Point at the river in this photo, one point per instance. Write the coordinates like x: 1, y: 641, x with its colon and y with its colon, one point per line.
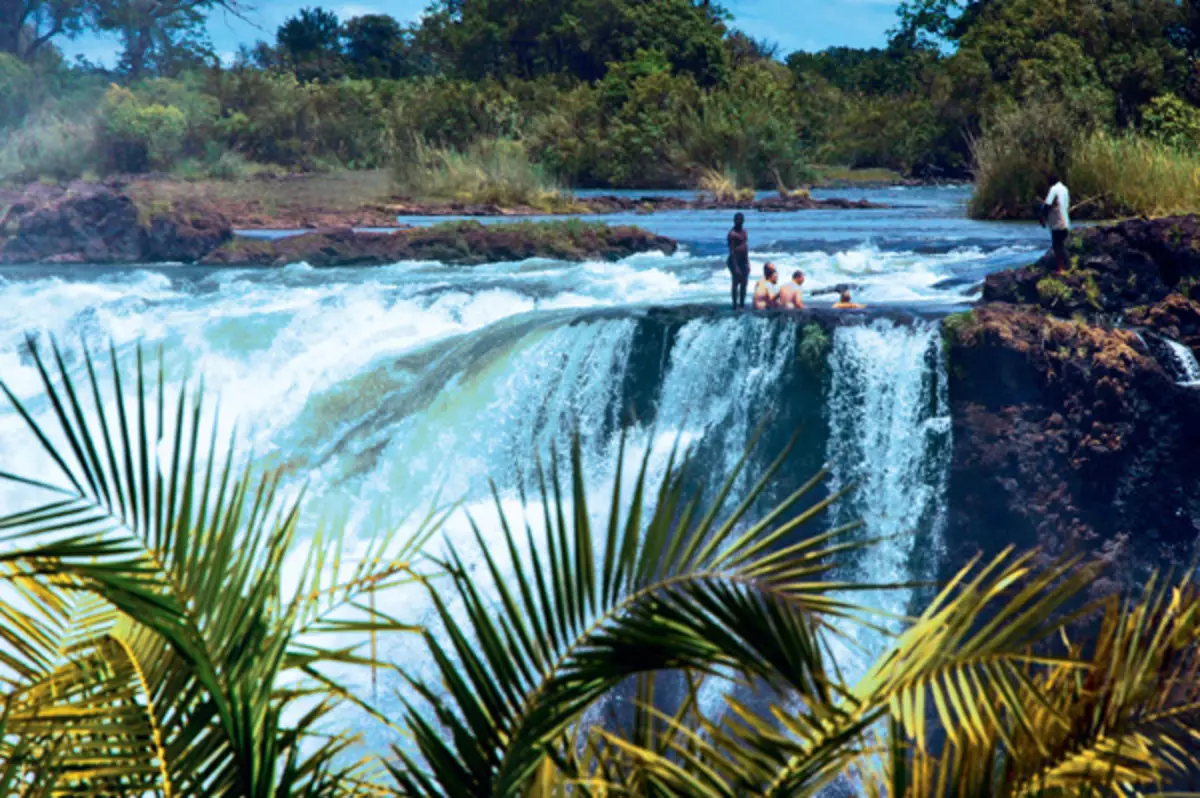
x: 382, y: 387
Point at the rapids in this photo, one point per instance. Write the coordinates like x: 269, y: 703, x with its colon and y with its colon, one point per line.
x: 383, y: 388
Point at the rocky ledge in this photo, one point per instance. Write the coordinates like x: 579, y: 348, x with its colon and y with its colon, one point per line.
x: 612, y: 204
x: 463, y: 243
x: 1074, y: 428
x: 89, y: 223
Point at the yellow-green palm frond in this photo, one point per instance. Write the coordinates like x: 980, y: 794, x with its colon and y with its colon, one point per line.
x: 152, y: 512
x: 664, y: 586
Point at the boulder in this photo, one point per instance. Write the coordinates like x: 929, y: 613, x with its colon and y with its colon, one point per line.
x: 185, y: 234
x: 84, y: 224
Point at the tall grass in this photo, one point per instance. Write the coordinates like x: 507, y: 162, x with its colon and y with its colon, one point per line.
x: 724, y: 186
x: 490, y: 171
x: 1129, y: 175
x: 1109, y: 175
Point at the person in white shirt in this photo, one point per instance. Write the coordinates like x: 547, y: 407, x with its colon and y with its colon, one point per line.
x: 1056, y: 214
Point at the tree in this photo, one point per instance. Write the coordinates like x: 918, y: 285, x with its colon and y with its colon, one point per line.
x: 528, y: 38
x: 160, y: 35
x: 377, y: 46
x: 27, y: 26
x: 310, y: 43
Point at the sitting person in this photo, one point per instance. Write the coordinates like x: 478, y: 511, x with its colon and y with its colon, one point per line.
x: 763, y: 298
x: 789, y: 295
x: 845, y: 303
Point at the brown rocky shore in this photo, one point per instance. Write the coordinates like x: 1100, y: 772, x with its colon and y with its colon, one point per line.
x: 612, y: 204
x: 98, y: 224
x: 1072, y: 430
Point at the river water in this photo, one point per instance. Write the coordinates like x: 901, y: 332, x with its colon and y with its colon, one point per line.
x: 382, y: 387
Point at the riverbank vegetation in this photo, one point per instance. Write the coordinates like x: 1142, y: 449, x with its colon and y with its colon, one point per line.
x: 168, y: 630
x: 612, y: 94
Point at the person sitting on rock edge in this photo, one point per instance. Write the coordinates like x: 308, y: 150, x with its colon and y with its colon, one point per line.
x: 789, y: 295
x: 845, y: 303
x: 763, y: 298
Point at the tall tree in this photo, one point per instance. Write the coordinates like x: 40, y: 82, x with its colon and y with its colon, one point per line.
x: 377, y: 46
x: 310, y: 43
x: 27, y: 26
x: 158, y: 32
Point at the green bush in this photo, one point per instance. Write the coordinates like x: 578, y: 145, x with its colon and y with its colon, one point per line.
x: 137, y: 136
x: 1172, y: 121
x: 17, y: 86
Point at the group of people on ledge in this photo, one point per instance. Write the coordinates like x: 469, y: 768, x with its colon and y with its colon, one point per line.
x: 766, y: 296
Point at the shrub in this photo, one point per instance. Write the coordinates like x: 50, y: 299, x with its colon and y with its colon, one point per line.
x: 1172, y: 121
x: 489, y: 171
x: 1013, y: 157
x: 137, y: 136
x: 17, y: 85
x: 723, y: 186
x: 48, y: 145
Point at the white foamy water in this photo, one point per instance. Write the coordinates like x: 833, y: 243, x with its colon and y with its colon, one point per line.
x: 889, y: 433
x: 1185, y: 360
x: 383, y: 388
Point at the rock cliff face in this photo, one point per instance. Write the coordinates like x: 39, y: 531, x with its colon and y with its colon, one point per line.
x: 1071, y: 432
x: 87, y: 223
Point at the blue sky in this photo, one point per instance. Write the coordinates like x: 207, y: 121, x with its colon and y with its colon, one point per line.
x: 794, y: 24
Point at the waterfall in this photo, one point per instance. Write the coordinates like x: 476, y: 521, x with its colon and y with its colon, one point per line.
x: 889, y: 434
x: 1188, y: 370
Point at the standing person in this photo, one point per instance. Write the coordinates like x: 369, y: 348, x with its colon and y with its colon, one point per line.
x: 763, y: 298
x: 789, y: 295
x: 739, y: 261
x: 1056, y: 214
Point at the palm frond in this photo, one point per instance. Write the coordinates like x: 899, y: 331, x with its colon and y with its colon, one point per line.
x: 668, y: 584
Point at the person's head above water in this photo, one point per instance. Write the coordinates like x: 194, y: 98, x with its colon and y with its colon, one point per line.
x: 770, y: 272
x: 845, y: 297
x: 739, y: 219
x: 798, y: 277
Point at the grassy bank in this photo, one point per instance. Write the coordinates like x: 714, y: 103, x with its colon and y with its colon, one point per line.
x: 1110, y: 176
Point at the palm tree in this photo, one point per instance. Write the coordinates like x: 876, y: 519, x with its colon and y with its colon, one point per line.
x: 150, y: 645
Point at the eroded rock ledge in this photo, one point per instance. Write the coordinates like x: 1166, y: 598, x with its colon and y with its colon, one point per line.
x: 99, y: 225
x: 1071, y: 433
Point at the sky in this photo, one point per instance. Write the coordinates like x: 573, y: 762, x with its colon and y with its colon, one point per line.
x: 793, y: 24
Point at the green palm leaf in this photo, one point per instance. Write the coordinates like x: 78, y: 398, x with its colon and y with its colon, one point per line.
x: 672, y: 587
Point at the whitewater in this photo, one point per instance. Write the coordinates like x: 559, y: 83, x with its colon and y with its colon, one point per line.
x: 382, y: 388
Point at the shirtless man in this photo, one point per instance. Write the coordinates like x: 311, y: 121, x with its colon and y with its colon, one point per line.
x: 789, y: 295
x: 845, y: 303
x: 739, y: 260
x: 762, y: 291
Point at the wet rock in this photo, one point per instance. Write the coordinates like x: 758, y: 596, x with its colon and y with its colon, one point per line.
x: 83, y: 224
x: 1070, y: 437
x: 467, y: 243
x: 185, y: 234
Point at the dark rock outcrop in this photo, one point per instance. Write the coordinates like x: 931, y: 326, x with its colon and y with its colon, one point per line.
x: 185, y: 234
x: 1070, y: 432
x: 651, y: 203
x: 94, y: 223
x: 466, y: 243
x: 91, y: 224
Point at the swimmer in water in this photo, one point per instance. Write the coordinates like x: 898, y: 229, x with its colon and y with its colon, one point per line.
x: 763, y: 298
x: 789, y: 295
x: 845, y: 303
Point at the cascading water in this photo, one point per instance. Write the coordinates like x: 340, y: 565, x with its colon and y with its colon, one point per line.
x: 889, y: 434
x: 1185, y: 361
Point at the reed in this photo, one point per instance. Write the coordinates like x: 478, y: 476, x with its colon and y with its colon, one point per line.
x: 1130, y: 175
